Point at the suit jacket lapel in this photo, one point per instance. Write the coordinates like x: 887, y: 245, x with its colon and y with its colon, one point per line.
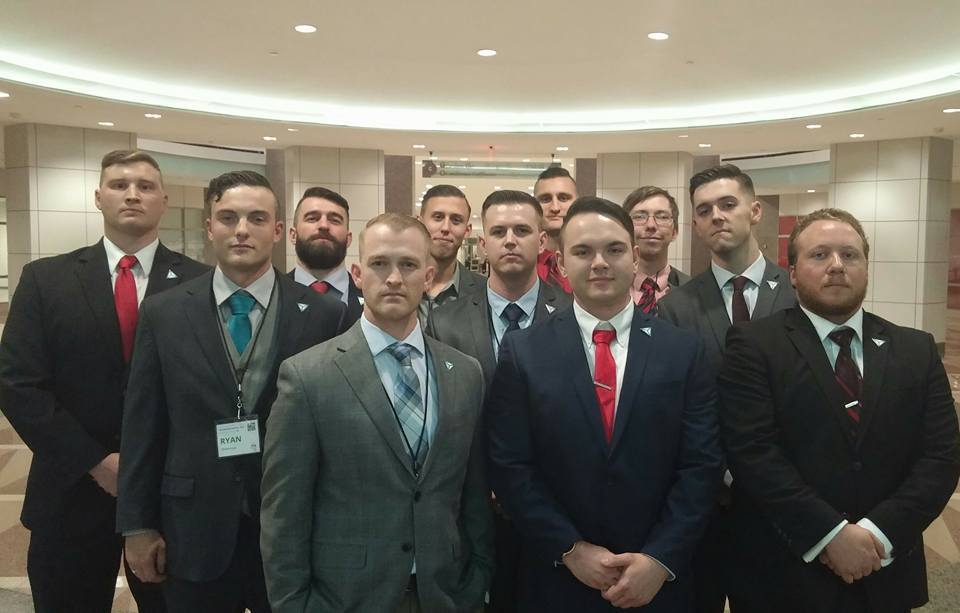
x: 874, y: 371
x: 356, y: 364
x: 354, y: 295
x: 577, y: 371
x: 200, y: 312
x: 804, y: 337
x: 290, y: 319
x: 712, y: 301
x: 93, y: 273
x: 767, y: 296
x: 448, y: 388
x: 165, y: 262
x: 546, y: 303
x: 480, y: 330
x: 637, y: 355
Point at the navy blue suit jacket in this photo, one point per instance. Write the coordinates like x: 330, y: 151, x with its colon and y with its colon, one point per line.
x: 650, y: 490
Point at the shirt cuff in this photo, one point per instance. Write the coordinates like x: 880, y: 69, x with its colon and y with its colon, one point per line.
x: 814, y: 551
x: 670, y: 575
x: 127, y: 533
x: 866, y: 524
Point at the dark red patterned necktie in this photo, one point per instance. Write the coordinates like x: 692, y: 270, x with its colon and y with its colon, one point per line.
x: 648, y: 296
x: 125, y: 299
x: 740, y: 310
x: 847, y: 373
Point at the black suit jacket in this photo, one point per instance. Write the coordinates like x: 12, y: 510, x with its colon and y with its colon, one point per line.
x: 63, y: 377
x: 650, y: 490
x: 698, y: 305
x: 354, y: 301
x: 798, y: 472
x: 181, y: 384
x: 464, y: 324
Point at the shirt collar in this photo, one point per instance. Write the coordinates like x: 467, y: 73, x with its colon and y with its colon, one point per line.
x: 527, y: 302
x: 261, y: 289
x: 144, y: 256
x: 754, y: 272
x: 824, y: 326
x: 337, y: 278
x: 378, y: 340
x: 621, y: 322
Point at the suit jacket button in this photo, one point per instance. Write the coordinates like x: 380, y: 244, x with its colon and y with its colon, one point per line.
x: 416, y: 496
x: 857, y: 466
x: 406, y: 547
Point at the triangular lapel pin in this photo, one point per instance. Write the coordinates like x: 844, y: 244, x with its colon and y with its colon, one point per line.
x: 646, y: 331
x: 879, y: 341
x: 772, y: 284
x: 448, y: 365
x: 550, y: 308
x: 360, y: 300
x: 171, y: 275
x: 303, y: 306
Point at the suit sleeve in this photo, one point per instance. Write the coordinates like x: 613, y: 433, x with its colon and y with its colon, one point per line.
x: 514, y: 475
x: 27, y: 385
x: 761, y: 470
x: 291, y: 457
x: 927, y: 487
x: 143, y: 438
x: 692, y: 497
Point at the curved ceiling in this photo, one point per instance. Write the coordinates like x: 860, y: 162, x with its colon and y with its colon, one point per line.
x: 560, y: 67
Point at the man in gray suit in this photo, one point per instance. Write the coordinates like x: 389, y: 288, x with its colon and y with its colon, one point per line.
x: 374, y: 493
x: 740, y: 285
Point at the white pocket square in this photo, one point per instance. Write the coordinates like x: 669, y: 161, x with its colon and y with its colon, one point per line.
x: 772, y: 284
x: 879, y: 341
x: 171, y: 274
x: 303, y: 307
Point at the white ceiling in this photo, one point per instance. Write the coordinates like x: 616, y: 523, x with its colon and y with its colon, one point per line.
x: 377, y: 57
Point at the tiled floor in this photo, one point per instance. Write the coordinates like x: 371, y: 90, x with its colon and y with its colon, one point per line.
x: 941, y: 538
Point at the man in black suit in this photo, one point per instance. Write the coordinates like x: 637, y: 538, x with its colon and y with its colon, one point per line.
x: 515, y: 299
x: 842, y: 437
x: 321, y: 235
x: 741, y: 285
x: 63, y: 375
x: 446, y: 214
x: 602, y: 436
x: 201, y: 385
x: 656, y: 221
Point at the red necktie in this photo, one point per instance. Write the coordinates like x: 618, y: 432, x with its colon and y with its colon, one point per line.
x: 321, y: 287
x: 847, y: 373
x: 605, y: 378
x: 740, y: 310
x: 648, y: 296
x: 125, y: 299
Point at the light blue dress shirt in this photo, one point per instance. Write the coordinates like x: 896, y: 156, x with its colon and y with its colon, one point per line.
x: 527, y: 302
x: 337, y: 278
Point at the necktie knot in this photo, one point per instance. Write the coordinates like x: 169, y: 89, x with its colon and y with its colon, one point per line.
x: 401, y: 352
x: 127, y: 262
x: 604, y: 337
x: 241, y: 302
x: 842, y: 337
x: 649, y: 285
x: 321, y: 287
x: 513, y: 313
x: 739, y: 283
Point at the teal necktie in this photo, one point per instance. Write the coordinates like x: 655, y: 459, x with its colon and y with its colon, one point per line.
x: 240, y: 303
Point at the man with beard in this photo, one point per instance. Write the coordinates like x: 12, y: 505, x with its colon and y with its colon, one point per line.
x: 555, y: 190
x: 321, y: 235
x: 656, y: 219
x: 842, y: 437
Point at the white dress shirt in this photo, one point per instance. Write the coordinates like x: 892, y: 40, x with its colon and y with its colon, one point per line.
x: 824, y: 327
x: 337, y: 278
x: 140, y: 271
x: 724, y: 278
x: 621, y: 322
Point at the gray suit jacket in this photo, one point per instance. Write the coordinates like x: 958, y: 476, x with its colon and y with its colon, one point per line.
x: 677, y: 277
x: 465, y: 324
x: 344, y: 517
x: 698, y: 305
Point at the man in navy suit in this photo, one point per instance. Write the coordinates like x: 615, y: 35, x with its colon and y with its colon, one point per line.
x: 602, y: 436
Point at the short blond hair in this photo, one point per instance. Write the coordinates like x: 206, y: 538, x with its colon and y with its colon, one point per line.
x: 821, y: 215
x: 397, y: 222
x: 128, y: 157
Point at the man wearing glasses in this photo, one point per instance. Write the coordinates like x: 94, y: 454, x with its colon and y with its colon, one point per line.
x: 655, y: 221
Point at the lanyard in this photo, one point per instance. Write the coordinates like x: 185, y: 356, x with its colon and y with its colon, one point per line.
x: 415, y: 453
x: 239, y: 372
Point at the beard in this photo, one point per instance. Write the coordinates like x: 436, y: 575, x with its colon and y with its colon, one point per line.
x: 321, y: 256
x: 811, y: 299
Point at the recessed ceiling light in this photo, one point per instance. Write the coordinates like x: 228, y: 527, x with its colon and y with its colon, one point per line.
x: 856, y: 135
x: 562, y: 148
x: 429, y: 186
x: 461, y: 187
x: 107, y: 124
x: 305, y: 28
x: 813, y: 126
x: 529, y: 187
x: 270, y: 138
x: 658, y: 36
x: 486, y: 52
x: 273, y: 53
x: 704, y: 145
x: 811, y: 191
x: 4, y: 95
x: 497, y: 187
x: 152, y: 115
x: 433, y: 157
x: 526, y: 159
x: 464, y: 159
x: 420, y: 204
x: 557, y: 159
x: 419, y: 146
x: 944, y: 110
x: 684, y: 136
x: 293, y: 129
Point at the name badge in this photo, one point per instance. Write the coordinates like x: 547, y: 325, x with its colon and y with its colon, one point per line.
x: 238, y: 436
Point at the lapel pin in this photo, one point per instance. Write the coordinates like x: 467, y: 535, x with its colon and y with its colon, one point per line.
x: 303, y: 307
x: 171, y: 274
x: 772, y: 284
x: 448, y: 365
x: 879, y: 341
x: 646, y: 331
x: 360, y: 300
x: 550, y: 308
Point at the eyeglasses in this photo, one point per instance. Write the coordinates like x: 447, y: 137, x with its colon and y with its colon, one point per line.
x: 660, y: 218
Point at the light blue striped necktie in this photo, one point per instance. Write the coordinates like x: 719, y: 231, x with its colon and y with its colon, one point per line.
x: 407, y: 401
x: 241, y: 303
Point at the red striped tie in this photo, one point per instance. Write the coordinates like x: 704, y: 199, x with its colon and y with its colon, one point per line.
x: 847, y: 373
